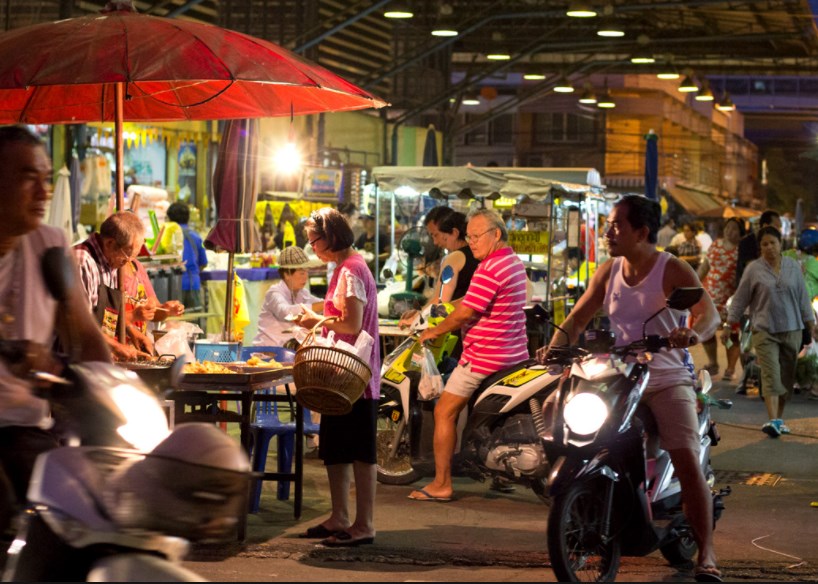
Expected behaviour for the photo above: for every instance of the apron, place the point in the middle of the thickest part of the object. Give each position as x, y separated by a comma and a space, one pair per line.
109, 302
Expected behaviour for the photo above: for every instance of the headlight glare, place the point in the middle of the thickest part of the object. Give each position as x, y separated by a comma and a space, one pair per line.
585, 413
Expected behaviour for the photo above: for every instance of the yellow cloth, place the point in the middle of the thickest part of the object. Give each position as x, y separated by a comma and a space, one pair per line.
241, 315
173, 240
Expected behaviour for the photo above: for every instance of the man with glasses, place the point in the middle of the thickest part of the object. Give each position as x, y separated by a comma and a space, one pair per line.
100, 257
494, 337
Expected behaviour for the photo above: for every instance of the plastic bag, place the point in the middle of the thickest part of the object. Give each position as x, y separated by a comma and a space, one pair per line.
174, 342
431, 383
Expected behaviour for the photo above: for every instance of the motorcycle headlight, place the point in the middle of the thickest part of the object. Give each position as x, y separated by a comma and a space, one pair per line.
585, 413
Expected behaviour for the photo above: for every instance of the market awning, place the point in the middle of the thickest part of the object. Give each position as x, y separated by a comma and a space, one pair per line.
697, 203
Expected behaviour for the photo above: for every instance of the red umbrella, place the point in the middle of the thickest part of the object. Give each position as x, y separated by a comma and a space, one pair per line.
124, 66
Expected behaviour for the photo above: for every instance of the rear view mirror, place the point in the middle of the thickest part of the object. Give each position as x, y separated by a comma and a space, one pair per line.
537, 312
58, 272
684, 298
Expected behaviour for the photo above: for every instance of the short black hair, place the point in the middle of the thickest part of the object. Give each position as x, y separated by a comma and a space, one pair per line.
18, 134
437, 214
347, 208
768, 230
452, 221
179, 212
741, 230
767, 218
642, 212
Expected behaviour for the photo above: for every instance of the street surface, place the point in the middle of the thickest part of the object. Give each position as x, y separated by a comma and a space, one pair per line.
768, 532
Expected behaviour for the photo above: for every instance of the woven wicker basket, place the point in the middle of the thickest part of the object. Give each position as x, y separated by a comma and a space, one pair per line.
328, 380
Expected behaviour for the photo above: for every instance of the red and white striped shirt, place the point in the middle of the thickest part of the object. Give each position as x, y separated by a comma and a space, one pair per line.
92, 273
496, 338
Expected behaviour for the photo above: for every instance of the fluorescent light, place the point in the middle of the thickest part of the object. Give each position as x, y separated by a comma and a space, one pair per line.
580, 10
642, 59
726, 104
588, 96
498, 57
687, 85
534, 76
444, 31
605, 101
609, 28
398, 12
471, 100
563, 86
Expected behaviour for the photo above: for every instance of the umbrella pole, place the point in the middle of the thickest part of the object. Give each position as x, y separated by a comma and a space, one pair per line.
228, 300
119, 97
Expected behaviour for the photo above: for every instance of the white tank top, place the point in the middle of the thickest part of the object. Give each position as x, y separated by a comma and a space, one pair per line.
628, 307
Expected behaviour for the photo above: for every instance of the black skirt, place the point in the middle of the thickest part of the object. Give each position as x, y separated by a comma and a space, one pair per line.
351, 437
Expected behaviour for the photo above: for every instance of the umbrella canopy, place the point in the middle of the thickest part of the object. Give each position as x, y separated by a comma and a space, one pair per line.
651, 165
235, 190
124, 66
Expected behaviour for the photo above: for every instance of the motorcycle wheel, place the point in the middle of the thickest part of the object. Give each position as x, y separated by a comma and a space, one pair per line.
680, 552
575, 545
397, 469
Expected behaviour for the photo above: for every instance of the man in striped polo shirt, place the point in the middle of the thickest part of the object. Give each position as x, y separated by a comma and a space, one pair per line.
494, 337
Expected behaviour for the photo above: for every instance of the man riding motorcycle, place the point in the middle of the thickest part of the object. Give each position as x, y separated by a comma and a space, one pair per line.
631, 286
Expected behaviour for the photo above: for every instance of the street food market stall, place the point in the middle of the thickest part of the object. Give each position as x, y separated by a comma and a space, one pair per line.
552, 215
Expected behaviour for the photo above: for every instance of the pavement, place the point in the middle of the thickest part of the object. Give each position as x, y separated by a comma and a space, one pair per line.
767, 533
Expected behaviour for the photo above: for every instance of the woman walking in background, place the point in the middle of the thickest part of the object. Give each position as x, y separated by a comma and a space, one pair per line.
718, 275
773, 288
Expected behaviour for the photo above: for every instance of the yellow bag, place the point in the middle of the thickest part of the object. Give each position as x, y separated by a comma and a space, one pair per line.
241, 315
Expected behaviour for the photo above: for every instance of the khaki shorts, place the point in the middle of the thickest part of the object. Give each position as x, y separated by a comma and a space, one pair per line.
676, 417
463, 382
777, 355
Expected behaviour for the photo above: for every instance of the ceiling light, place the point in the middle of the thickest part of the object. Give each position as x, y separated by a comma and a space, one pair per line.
442, 30
668, 72
398, 10
642, 59
471, 99
726, 104
580, 10
605, 101
498, 56
688, 85
563, 85
534, 76
609, 28
588, 96
706, 94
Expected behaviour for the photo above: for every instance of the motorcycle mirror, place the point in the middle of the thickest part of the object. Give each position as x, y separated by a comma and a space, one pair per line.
537, 312
58, 272
684, 298
445, 277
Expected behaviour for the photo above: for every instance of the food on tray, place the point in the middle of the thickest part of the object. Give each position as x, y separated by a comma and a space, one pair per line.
206, 367
255, 361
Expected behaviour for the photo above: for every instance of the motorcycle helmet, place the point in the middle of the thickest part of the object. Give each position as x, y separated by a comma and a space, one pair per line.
192, 485
808, 240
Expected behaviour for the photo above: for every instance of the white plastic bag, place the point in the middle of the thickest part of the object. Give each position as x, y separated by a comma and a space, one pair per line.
174, 342
431, 383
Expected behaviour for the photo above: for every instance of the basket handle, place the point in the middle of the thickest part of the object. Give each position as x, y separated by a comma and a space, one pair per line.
311, 335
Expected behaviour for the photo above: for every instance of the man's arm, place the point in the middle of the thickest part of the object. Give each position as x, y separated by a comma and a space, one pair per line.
93, 345
460, 316
704, 318
585, 309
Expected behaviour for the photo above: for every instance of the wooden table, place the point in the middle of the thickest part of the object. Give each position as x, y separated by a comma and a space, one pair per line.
391, 336
202, 396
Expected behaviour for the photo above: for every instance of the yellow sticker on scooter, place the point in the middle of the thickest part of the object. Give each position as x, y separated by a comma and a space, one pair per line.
522, 377
394, 376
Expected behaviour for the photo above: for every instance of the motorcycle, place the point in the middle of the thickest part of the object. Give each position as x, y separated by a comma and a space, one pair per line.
498, 432
613, 490
125, 496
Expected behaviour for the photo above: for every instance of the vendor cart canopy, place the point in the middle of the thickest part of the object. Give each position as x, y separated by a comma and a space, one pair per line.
509, 182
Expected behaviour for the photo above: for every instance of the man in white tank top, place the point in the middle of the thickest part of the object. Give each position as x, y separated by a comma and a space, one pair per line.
631, 286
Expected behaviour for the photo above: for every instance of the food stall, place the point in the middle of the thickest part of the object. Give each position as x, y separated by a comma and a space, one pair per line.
548, 211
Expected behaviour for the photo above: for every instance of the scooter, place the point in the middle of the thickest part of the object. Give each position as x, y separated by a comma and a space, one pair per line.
613, 490
498, 432
124, 497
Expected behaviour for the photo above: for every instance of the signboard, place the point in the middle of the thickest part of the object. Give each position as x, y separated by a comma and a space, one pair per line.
323, 182
532, 242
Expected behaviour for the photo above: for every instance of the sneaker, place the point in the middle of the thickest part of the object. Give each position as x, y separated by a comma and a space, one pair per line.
771, 429
783, 428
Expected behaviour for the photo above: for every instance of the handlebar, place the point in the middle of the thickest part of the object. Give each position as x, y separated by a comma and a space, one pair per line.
565, 354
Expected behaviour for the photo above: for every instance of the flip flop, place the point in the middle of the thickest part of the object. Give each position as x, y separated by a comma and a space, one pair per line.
344, 539
317, 532
707, 574
427, 497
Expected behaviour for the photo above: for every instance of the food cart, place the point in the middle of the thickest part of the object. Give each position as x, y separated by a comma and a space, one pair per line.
548, 211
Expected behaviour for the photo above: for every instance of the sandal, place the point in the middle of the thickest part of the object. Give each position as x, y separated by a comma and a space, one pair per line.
707, 574
728, 375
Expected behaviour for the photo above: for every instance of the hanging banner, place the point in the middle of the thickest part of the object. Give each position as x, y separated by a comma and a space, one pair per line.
323, 183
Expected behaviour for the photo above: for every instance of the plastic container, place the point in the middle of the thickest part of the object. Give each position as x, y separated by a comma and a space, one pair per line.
222, 352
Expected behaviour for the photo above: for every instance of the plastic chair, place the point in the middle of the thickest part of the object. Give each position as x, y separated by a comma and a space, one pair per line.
267, 424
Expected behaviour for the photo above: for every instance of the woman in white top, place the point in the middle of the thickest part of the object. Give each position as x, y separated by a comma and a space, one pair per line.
285, 298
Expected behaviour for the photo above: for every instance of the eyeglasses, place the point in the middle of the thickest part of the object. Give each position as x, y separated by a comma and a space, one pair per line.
474, 238
312, 241
128, 258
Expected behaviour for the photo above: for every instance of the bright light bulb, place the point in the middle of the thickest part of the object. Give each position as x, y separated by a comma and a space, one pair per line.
288, 159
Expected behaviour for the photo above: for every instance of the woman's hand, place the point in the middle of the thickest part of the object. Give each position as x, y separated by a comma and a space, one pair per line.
174, 307
145, 311
407, 318
307, 318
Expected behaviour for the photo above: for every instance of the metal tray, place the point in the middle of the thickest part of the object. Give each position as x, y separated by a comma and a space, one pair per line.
243, 378
241, 367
